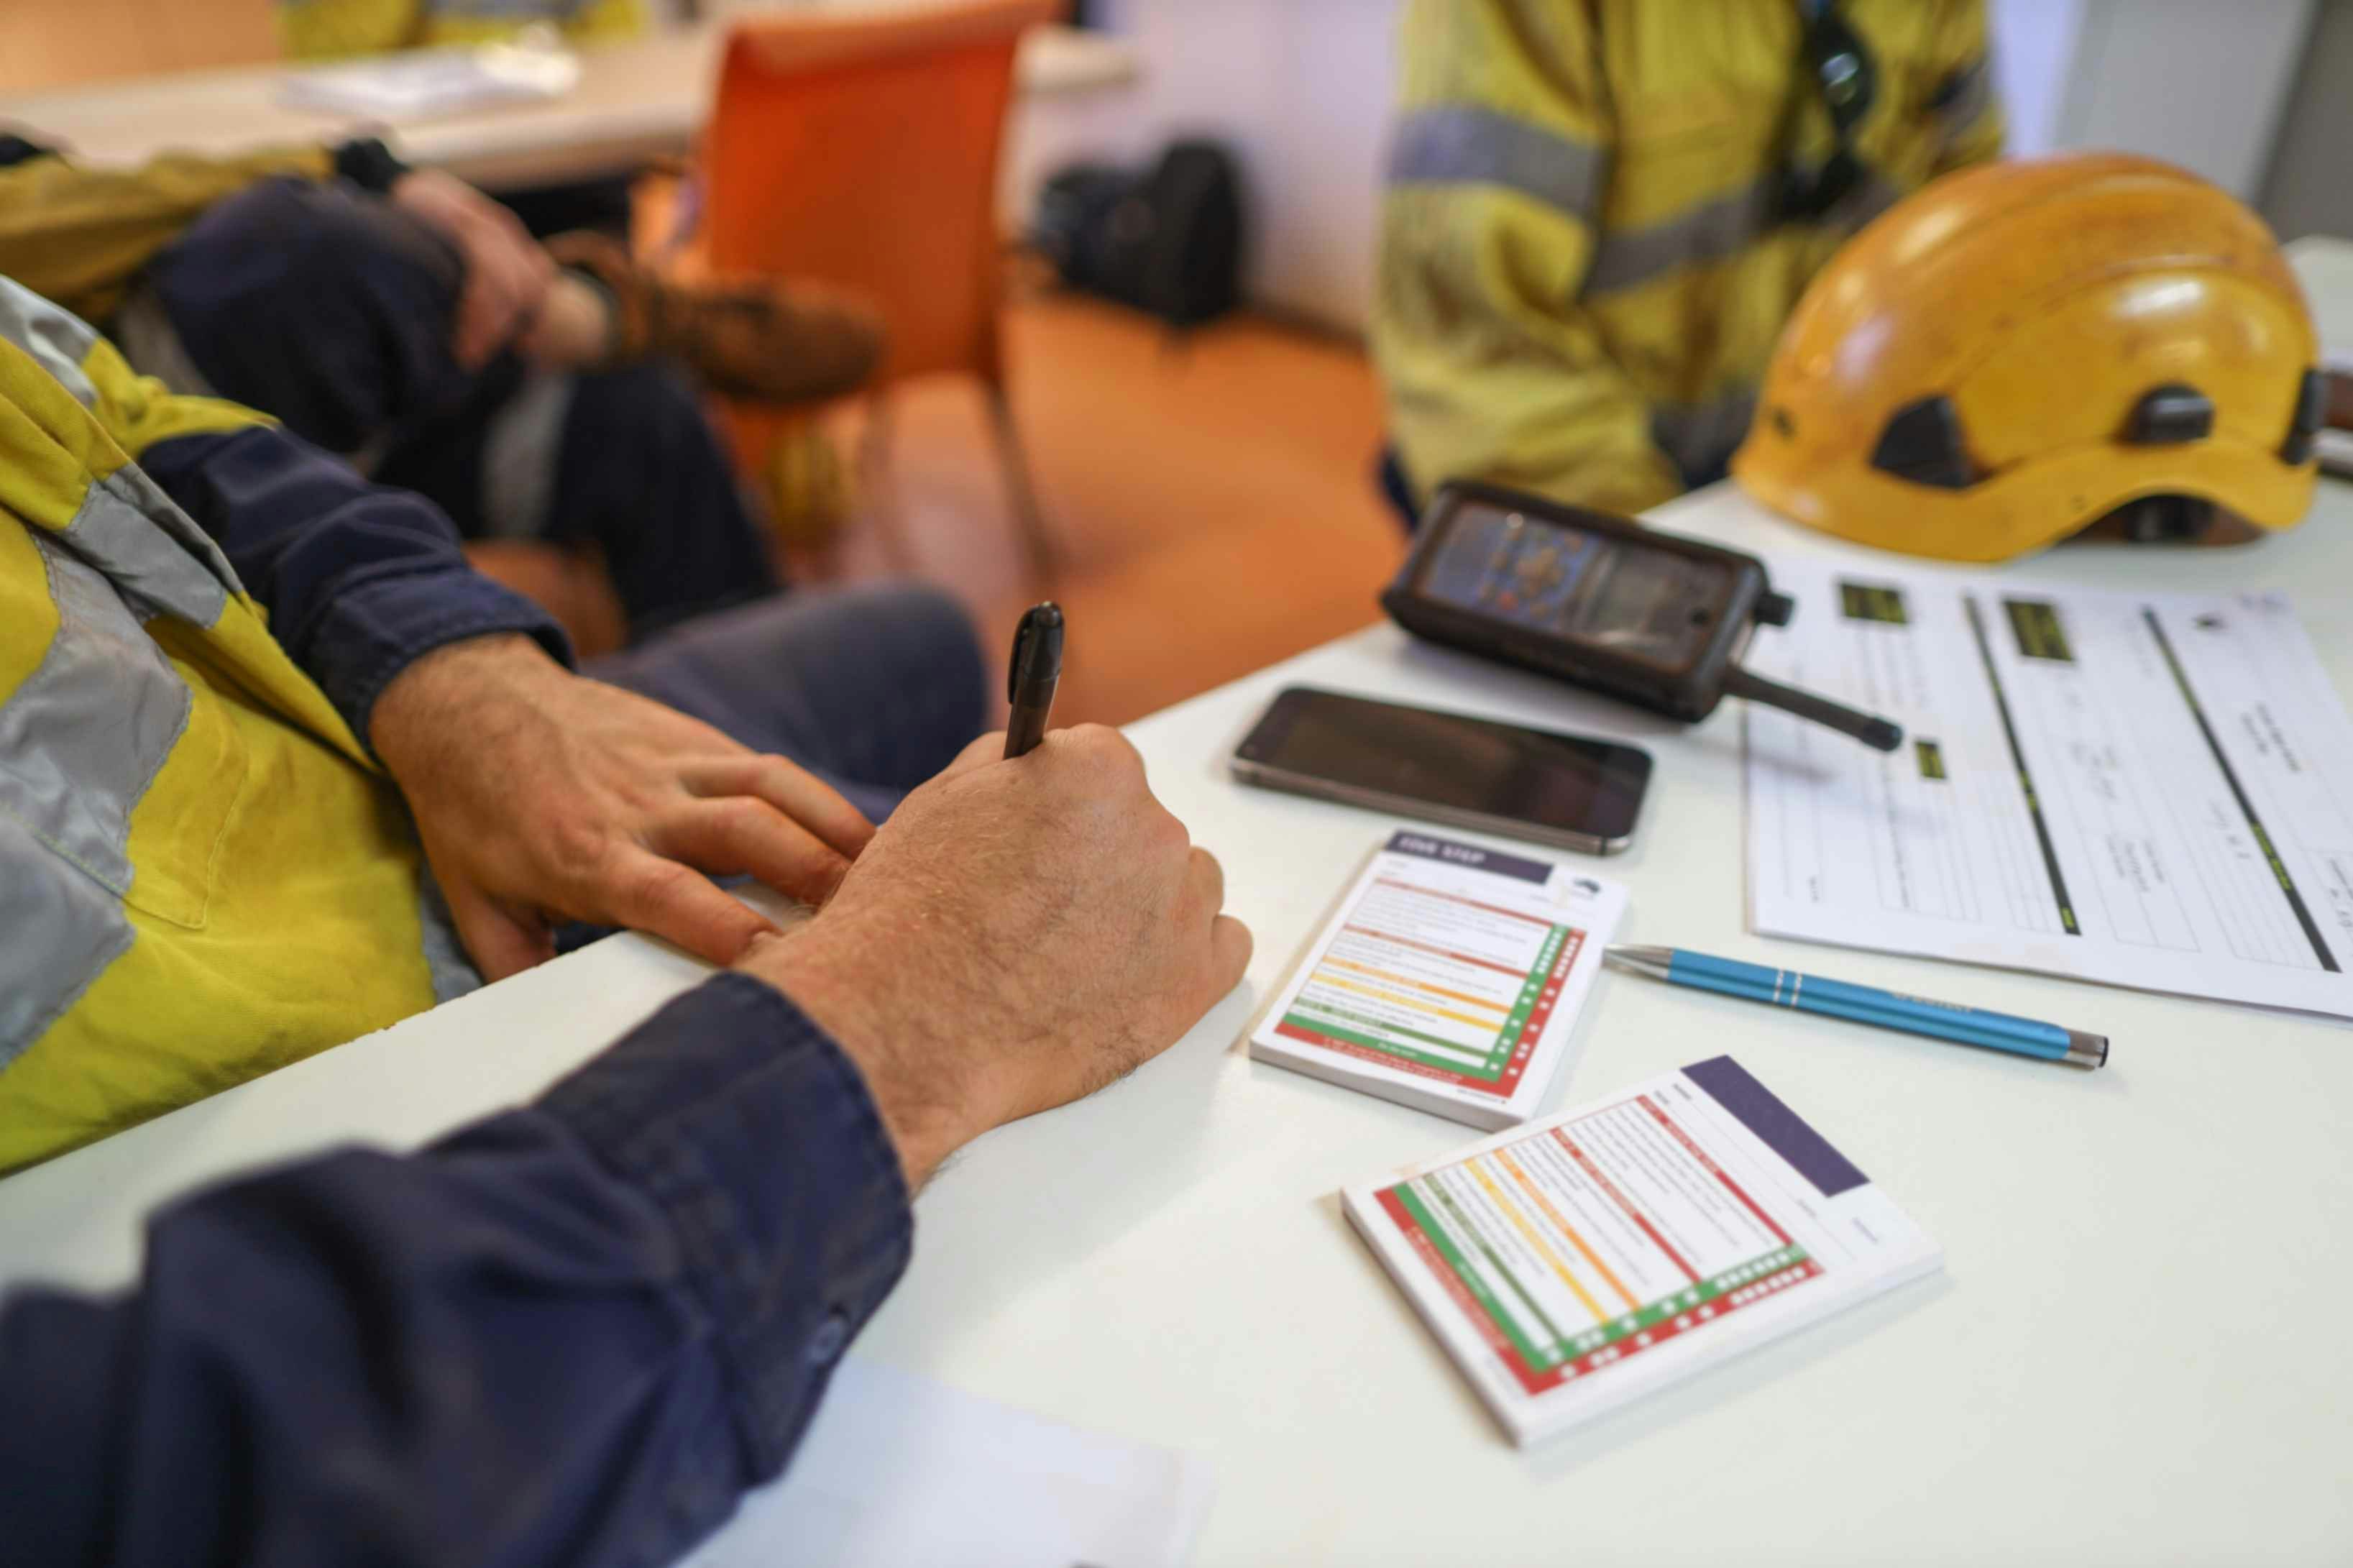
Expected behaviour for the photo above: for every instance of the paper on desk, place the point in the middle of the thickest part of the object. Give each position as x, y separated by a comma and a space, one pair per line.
423, 83
898, 1471
2149, 790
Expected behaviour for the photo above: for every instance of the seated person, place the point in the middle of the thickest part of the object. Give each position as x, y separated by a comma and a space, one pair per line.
574, 1333
1599, 215
278, 769
313, 29
402, 320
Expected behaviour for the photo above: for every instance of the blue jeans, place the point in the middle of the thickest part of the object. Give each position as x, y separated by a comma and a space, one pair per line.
873, 688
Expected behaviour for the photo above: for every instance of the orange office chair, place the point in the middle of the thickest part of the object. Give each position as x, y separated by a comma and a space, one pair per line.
860, 149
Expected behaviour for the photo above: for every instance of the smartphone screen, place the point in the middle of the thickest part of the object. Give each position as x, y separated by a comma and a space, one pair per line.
1567, 785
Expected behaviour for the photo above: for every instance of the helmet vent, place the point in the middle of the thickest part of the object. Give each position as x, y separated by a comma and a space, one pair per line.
2169, 416
2311, 408
1922, 443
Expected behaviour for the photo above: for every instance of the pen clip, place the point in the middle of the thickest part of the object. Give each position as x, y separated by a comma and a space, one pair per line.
1022, 633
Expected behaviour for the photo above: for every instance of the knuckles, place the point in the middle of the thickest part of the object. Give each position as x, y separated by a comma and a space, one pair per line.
651, 882
740, 818
1165, 835
575, 847
1106, 750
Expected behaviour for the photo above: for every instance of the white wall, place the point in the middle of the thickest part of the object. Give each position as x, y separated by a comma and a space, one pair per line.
2034, 52
2202, 83
2309, 189
1299, 88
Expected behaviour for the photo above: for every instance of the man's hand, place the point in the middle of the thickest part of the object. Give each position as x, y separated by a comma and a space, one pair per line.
1018, 935
507, 271
542, 796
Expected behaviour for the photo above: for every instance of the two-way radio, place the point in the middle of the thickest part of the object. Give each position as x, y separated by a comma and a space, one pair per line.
1601, 602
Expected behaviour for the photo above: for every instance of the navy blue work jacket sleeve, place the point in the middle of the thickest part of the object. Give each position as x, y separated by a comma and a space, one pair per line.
571, 1334
359, 579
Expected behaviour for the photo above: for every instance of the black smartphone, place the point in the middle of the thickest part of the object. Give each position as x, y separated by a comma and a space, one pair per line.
1570, 790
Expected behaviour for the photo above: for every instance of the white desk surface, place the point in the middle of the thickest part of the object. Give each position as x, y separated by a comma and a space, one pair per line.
635, 101
2139, 1352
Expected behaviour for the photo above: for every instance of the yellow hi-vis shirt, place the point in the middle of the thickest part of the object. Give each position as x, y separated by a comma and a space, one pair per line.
1581, 272
203, 874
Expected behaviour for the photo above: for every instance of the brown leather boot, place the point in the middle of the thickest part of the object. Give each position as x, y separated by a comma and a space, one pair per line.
748, 338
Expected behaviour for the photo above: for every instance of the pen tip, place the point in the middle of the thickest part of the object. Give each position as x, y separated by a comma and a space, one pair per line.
2086, 1050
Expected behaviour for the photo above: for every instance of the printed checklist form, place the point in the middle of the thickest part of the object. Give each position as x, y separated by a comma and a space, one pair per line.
1573, 1266
1448, 980
2147, 790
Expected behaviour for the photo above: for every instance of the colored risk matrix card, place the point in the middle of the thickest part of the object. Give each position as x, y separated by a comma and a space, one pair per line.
1450, 980
1573, 1265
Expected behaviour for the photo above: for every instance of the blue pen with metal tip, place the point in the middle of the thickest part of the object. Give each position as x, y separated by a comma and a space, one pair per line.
1863, 1005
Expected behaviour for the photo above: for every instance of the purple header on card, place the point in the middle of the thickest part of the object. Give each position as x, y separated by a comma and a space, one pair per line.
1782, 1129
1471, 854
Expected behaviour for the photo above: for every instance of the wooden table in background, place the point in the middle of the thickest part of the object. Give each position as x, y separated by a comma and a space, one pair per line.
636, 101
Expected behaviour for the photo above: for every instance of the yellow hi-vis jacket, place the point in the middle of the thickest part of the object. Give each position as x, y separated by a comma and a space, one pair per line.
1582, 274
320, 29
203, 874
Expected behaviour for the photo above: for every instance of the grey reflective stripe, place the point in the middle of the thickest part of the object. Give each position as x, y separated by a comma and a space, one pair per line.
82, 737
127, 527
148, 548
452, 971
58, 339
1465, 144
1699, 437
63, 930
519, 456
1714, 230
80, 740
1708, 232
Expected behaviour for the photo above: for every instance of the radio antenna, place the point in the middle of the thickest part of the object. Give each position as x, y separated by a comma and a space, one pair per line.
1880, 734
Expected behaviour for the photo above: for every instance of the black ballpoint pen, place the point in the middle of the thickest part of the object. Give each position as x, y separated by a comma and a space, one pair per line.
1030, 681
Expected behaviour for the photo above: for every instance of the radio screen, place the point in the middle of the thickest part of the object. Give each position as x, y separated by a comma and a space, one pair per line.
1552, 578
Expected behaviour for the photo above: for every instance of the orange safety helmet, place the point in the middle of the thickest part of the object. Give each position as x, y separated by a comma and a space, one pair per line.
2025, 349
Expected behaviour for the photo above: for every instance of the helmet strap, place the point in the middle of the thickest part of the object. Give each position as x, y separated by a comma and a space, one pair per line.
1842, 76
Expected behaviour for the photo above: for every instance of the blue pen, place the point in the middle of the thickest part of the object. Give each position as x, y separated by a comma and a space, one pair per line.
1863, 1005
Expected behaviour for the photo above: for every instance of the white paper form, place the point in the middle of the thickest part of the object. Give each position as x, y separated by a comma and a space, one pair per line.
424, 83
2149, 790
898, 1471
